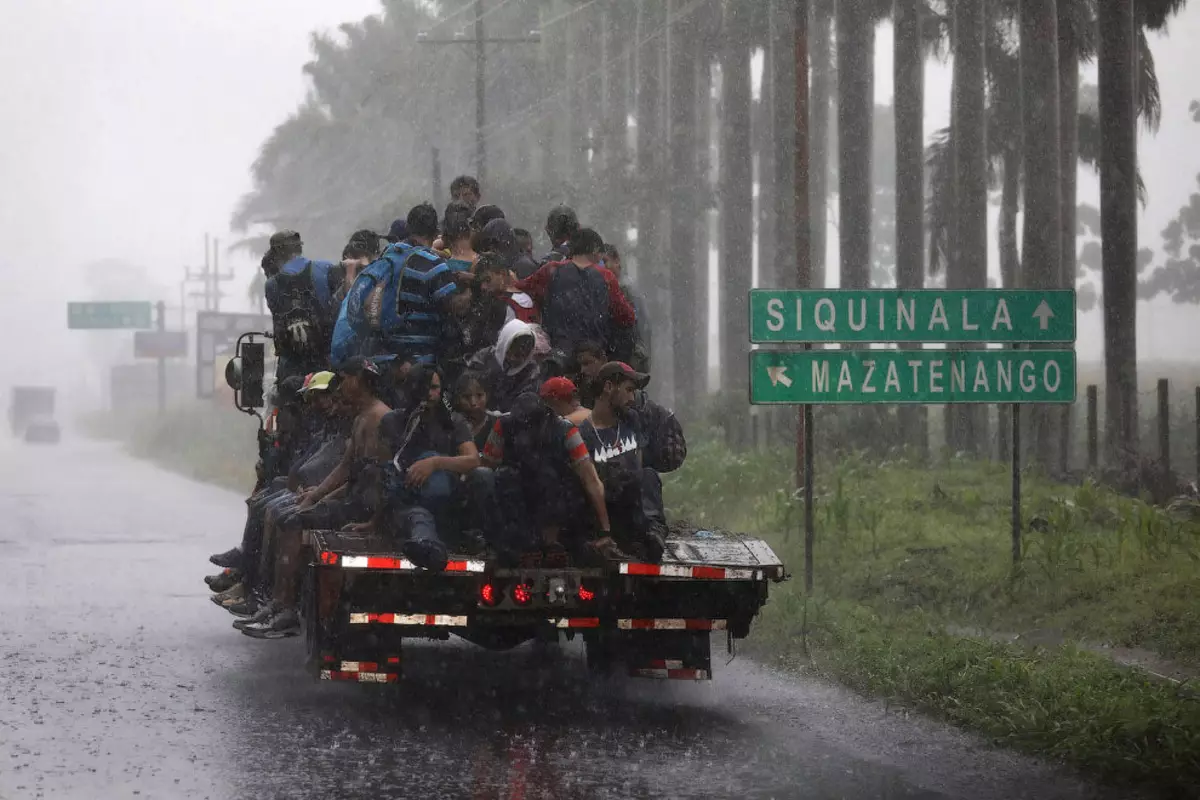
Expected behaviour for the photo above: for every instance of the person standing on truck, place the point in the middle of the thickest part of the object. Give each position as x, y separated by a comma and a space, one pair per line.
456, 235
300, 296
561, 224
465, 189
632, 344
546, 485
358, 386
615, 437
579, 298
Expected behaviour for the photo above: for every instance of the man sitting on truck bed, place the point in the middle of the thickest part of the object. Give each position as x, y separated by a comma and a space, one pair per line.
431, 448
252, 557
358, 387
546, 484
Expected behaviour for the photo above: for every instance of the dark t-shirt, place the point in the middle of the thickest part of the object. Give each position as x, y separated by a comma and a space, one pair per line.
616, 447
435, 433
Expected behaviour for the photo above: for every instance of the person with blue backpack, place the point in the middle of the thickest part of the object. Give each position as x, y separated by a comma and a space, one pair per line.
399, 303
300, 295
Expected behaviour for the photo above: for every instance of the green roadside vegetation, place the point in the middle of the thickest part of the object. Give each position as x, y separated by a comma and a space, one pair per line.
916, 600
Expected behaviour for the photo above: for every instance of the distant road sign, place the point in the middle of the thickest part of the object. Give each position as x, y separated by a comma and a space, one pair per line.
912, 376
160, 344
108, 316
216, 331
910, 315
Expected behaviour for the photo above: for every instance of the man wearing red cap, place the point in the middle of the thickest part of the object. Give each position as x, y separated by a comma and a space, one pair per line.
563, 397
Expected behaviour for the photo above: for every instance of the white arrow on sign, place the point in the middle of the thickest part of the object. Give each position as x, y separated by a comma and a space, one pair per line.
1043, 314
778, 375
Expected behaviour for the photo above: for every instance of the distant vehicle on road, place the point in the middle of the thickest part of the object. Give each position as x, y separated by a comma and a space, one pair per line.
31, 404
42, 430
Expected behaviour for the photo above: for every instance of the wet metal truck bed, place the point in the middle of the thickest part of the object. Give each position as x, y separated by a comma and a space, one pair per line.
361, 600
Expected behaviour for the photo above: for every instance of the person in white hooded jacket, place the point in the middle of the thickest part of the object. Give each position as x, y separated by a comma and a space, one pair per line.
508, 368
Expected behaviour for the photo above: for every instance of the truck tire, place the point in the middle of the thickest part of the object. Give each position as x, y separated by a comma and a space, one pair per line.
314, 631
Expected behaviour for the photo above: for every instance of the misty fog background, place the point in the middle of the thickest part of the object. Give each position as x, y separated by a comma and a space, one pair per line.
130, 127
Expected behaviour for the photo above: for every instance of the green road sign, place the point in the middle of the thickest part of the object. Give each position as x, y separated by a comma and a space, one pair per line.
912, 376
911, 315
108, 316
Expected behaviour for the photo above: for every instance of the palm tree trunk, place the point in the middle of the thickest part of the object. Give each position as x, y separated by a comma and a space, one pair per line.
650, 203
969, 422
1118, 228
736, 210
783, 137
1042, 239
689, 275
820, 97
856, 102
909, 79
1068, 120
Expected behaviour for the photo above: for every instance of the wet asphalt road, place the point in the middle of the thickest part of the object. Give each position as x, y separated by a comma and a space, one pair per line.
121, 680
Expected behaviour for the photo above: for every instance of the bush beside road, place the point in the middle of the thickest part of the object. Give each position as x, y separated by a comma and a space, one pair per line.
916, 600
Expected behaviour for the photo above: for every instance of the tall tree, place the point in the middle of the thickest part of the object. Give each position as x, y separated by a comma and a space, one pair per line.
650, 152
1070, 31
689, 275
968, 424
1041, 244
736, 205
908, 67
783, 136
856, 105
819, 102
1118, 227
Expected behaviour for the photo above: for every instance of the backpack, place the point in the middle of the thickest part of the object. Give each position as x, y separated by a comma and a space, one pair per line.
394, 307
575, 307
301, 296
665, 447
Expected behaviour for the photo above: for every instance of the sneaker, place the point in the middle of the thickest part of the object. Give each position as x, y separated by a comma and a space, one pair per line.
280, 626
224, 580
246, 607
231, 558
235, 594
426, 553
261, 616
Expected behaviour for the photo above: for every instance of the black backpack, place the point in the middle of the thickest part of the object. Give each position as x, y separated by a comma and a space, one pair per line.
575, 308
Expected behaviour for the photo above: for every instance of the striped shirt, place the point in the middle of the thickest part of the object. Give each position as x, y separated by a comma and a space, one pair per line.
576, 448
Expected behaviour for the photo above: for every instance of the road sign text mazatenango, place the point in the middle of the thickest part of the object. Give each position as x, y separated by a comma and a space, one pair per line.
912, 376
912, 315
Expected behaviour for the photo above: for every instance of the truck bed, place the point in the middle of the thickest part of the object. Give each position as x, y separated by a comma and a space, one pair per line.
692, 554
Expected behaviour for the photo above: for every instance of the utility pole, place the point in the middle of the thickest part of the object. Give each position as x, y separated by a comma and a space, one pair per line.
480, 41
210, 277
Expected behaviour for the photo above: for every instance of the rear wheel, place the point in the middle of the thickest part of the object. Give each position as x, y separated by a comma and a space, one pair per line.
314, 631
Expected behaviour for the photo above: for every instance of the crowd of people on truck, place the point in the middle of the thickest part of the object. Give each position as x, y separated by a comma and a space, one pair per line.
439, 390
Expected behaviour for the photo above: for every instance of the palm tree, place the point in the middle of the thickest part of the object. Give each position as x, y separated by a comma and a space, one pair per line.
736, 204
1119, 24
687, 279
967, 428
856, 104
1041, 246
909, 79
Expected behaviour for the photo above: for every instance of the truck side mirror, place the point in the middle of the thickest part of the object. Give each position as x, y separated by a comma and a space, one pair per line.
233, 373
252, 358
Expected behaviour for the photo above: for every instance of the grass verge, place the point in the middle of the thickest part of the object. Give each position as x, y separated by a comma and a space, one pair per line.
905, 553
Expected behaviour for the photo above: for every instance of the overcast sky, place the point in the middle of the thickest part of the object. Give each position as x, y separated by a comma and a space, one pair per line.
130, 126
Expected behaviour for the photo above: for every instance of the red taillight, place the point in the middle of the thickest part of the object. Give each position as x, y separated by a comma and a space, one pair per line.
522, 594
586, 594
488, 595
329, 558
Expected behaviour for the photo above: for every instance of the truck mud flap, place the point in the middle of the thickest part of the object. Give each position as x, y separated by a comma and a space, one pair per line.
678, 654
